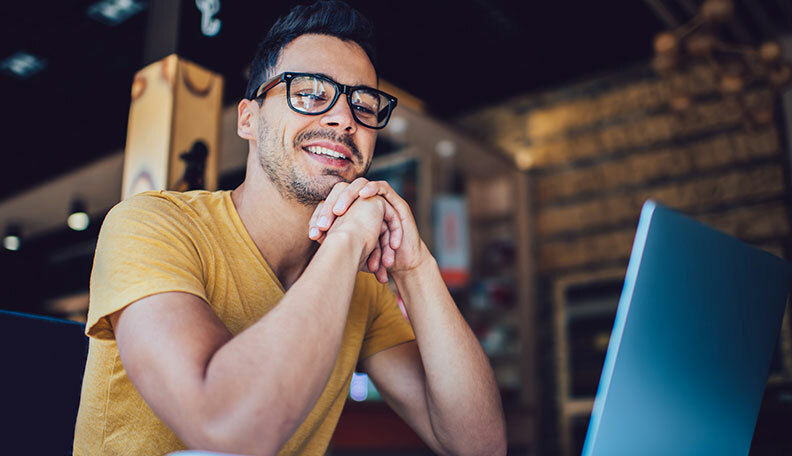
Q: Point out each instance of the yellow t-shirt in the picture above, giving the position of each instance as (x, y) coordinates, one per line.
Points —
(196, 243)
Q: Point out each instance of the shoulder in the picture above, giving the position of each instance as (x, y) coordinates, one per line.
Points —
(166, 206)
(159, 216)
(168, 201)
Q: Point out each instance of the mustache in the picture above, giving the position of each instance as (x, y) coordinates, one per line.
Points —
(346, 140)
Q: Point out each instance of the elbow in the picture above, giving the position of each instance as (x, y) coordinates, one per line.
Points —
(488, 447)
(234, 433)
(490, 443)
(499, 447)
(498, 443)
(491, 447)
(221, 437)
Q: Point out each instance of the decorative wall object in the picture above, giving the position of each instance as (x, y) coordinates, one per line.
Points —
(173, 131)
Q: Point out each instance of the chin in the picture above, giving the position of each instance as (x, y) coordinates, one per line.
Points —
(314, 190)
(332, 178)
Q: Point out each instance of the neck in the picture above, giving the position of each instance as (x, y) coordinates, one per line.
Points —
(278, 226)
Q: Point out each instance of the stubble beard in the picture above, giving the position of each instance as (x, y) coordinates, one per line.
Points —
(287, 178)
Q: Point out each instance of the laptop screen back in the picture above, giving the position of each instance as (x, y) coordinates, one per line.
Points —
(691, 345)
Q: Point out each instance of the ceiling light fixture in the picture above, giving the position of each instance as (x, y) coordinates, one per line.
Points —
(22, 65)
(114, 12)
(78, 219)
(445, 148)
(736, 66)
(397, 125)
(12, 240)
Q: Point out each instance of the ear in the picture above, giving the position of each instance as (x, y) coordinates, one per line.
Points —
(245, 127)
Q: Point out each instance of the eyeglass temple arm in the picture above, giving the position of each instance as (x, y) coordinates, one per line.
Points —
(270, 84)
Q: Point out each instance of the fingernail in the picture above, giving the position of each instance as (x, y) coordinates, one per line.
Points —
(323, 222)
(339, 206)
(313, 233)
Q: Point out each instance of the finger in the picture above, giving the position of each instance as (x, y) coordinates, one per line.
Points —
(373, 261)
(384, 189)
(394, 222)
(388, 255)
(382, 275)
(325, 217)
(370, 189)
(348, 196)
(401, 208)
(313, 231)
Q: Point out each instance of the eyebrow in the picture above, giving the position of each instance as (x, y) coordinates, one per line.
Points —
(350, 85)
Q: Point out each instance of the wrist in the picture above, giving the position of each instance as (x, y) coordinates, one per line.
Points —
(347, 241)
(425, 265)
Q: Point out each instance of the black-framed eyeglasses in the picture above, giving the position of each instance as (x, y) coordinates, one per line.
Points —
(314, 94)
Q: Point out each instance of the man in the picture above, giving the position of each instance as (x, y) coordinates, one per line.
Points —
(218, 323)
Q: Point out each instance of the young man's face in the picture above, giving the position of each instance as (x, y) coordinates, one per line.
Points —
(290, 144)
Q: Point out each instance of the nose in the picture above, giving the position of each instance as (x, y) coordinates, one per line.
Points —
(340, 116)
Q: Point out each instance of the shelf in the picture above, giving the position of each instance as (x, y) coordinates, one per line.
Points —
(491, 219)
(578, 407)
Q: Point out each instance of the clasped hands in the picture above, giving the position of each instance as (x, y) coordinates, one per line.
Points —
(373, 210)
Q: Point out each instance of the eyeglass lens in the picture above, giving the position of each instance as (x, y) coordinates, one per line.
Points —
(310, 94)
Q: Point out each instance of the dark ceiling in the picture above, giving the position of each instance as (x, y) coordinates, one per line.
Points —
(455, 55)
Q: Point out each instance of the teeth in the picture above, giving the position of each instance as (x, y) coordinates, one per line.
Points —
(324, 151)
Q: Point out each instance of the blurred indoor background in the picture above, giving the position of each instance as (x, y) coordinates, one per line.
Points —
(527, 137)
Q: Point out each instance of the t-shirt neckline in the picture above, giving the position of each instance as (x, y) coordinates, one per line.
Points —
(247, 238)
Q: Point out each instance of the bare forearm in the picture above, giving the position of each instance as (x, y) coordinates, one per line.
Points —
(263, 382)
(462, 397)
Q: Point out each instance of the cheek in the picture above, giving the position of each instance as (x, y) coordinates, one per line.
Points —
(284, 124)
(367, 143)
(287, 134)
(295, 125)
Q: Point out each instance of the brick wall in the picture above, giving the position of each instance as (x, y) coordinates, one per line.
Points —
(598, 150)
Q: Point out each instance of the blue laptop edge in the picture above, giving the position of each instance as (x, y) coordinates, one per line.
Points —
(649, 211)
(621, 318)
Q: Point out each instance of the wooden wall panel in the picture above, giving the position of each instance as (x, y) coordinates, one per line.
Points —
(598, 151)
(616, 101)
(753, 223)
(638, 131)
(735, 148)
(731, 187)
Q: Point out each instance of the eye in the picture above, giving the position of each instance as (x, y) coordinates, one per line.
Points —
(364, 109)
(312, 96)
(365, 102)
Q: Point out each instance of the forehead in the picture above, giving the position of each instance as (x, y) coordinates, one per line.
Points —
(344, 61)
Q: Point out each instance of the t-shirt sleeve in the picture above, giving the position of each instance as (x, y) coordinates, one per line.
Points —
(388, 326)
(146, 246)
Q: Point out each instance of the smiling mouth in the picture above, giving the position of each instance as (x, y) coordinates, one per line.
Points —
(325, 152)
